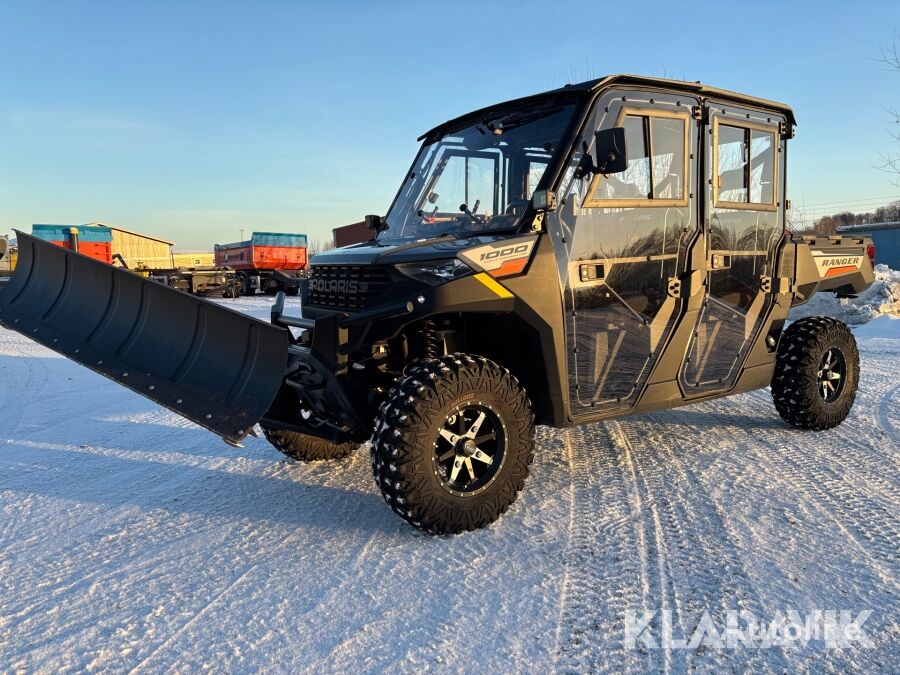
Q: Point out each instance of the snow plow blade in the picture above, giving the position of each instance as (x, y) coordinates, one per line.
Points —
(214, 366)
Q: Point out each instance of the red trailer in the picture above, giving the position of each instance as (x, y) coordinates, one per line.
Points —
(268, 261)
(90, 240)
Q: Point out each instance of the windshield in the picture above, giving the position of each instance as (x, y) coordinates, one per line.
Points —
(479, 178)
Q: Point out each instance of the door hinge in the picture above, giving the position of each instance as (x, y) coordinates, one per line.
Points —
(776, 286)
(673, 288)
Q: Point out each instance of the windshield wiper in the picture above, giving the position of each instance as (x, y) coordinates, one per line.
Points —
(516, 119)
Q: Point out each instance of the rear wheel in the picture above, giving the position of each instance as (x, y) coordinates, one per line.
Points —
(232, 290)
(453, 443)
(305, 448)
(816, 373)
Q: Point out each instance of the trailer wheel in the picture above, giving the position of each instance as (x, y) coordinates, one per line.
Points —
(453, 443)
(816, 373)
(306, 448)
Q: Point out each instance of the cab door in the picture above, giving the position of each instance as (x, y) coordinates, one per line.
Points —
(625, 236)
(744, 151)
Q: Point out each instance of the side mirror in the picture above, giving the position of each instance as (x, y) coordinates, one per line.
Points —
(375, 223)
(543, 200)
(612, 156)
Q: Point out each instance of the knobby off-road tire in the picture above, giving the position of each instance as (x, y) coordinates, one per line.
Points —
(444, 486)
(816, 373)
(307, 448)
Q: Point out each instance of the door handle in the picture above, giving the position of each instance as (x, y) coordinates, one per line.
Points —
(591, 272)
(720, 261)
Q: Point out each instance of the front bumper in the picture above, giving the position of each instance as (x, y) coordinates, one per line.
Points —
(331, 397)
(317, 379)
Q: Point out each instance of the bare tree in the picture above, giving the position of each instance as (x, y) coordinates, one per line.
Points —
(317, 245)
(890, 58)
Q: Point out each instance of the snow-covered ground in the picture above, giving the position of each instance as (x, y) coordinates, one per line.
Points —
(133, 540)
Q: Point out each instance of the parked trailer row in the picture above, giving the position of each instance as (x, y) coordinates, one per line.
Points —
(126, 250)
(267, 262)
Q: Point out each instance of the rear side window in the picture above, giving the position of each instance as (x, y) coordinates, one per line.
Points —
(745, 166)
(657, 171)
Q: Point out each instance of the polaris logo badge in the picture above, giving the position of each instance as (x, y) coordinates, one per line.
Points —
(340, 286)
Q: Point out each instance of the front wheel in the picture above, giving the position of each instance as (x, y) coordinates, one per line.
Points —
(453, 443)
(816, 373)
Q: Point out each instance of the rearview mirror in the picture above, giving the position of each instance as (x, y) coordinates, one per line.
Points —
(611, 154)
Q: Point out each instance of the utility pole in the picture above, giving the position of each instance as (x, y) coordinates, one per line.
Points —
(241, 230)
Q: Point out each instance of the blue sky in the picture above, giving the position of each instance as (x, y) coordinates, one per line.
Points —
(192, 120)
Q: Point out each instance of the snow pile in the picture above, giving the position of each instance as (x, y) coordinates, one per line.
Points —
(882, 297)
(885, 327)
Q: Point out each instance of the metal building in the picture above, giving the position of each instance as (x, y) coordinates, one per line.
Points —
(193, 259)
(885, 236)
(140, 251)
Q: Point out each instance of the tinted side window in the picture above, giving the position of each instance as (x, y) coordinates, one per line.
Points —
(656, 143)
(535, 173)
(762, 167)
(745, 166)
(668, 142)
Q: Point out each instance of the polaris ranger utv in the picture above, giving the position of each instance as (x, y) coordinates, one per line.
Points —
(598, 250)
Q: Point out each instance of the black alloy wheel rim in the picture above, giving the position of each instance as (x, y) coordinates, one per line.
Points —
(470, 448)
(831, 375)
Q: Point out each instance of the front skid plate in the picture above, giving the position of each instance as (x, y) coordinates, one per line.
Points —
(214, 366)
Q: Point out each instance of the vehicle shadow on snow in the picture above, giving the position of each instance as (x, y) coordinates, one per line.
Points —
(79, 475)
(693, 418)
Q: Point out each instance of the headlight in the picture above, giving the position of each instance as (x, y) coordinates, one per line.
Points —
(435, 272)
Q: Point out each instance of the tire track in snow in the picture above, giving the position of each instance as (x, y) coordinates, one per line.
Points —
(702, 565)
(467, 583)
(27, 387)
(565, 589)
(604, 576)
(870, 479)
(196, 617)
(310, 602)
(866, 506)
(665, 591)
(872, 529)
(886, 405)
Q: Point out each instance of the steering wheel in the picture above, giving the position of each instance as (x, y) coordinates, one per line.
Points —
(516, 207)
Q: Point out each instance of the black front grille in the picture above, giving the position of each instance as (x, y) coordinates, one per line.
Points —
(346, 286)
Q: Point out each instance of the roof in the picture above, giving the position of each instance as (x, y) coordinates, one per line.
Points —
(594, 86)
(131, 232)
(869, 227)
